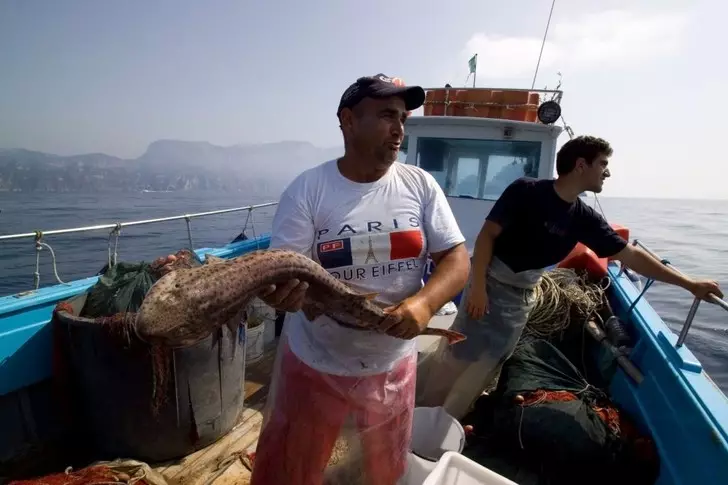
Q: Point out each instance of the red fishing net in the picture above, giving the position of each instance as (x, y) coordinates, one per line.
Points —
(617, 421)
(93, 475)
(101, 473)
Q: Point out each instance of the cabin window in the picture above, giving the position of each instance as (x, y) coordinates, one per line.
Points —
(479, 169)
(402, 157)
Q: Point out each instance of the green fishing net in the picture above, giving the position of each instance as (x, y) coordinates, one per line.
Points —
(545, 424)
(120, 290)
(122, 287)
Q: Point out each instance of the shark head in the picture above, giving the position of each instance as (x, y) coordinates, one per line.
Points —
(187, 304)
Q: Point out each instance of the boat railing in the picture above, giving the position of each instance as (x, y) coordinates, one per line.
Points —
(696, 302)
(118, 226)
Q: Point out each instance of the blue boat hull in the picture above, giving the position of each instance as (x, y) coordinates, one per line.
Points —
(676, 403)
(31, 427)
(684, 411)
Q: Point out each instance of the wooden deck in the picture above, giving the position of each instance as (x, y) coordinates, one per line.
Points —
(220, 463)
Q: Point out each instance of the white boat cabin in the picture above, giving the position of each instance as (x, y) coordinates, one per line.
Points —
(475, 158)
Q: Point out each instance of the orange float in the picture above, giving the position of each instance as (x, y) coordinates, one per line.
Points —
(516, 105)
(583, 258)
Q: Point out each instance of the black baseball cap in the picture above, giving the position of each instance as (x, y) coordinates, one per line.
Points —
(381, 86)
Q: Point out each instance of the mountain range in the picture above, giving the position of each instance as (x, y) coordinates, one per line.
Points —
(167, 165)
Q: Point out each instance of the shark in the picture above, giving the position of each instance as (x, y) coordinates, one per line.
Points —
(187, 304)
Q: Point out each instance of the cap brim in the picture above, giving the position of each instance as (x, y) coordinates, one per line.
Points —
(414, 96)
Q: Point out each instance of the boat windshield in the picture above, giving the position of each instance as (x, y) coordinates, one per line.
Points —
(479, 169)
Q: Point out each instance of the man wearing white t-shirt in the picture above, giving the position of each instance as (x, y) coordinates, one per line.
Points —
(371, 222)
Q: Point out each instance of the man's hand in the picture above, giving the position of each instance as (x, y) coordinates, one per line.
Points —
(286, 298)
(477, 302)
(164, 264)
(701, 289)
(642, 262)
(408, 319)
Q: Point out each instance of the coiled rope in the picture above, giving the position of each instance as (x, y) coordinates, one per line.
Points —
(561, 294)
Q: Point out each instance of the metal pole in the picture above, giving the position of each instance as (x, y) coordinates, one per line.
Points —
(688, 322)
(136, 223)
(710, 297)
(543, 43)
(475, 72)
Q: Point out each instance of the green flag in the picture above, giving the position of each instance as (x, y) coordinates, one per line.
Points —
(472, 63)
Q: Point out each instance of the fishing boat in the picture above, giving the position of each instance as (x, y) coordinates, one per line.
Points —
(474, 141)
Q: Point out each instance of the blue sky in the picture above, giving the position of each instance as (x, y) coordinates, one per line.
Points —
(99, 76)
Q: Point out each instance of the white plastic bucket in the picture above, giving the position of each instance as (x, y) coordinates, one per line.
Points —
(456, 469)
(259, 313)
(434, 432)
(254, 343)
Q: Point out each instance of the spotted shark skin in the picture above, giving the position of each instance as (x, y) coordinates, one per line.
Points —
(187, 304)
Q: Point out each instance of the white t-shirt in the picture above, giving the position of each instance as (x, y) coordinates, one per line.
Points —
(375, 237)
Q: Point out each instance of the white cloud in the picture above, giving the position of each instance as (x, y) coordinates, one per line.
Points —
(610, 39)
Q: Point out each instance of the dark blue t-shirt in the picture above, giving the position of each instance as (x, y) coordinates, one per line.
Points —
(540, 228)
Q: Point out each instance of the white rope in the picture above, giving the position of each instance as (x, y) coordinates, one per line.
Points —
(561, 291)
(249, 218)
(252, 226)
(36, 275)
(39, 245)
(115, 232)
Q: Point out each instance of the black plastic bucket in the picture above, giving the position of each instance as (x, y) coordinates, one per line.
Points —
(114, 377)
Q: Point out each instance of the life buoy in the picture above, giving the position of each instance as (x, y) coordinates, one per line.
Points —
(583, 258)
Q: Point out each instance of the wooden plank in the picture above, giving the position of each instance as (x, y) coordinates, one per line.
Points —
(220, 462)
(235, 474)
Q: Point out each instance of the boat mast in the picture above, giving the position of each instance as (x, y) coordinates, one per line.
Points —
(538, 63)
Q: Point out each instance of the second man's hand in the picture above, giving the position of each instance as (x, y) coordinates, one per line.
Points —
(287, 298)
(408, 319)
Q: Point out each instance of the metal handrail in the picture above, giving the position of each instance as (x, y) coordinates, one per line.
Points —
(120, 225)
(116, 231)
(711, 298)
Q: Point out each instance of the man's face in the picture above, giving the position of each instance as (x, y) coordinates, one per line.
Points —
(593, 174)
(376, 128)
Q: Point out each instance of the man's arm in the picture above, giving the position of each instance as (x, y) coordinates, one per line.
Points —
(483, 251)
(505, 211)
(293, 230)
(292, 226)
(598, 235)
(448, 279)
(642, 262)
(445, 243)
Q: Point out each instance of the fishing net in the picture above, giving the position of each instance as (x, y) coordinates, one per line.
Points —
(334, 429)
(562, 297)
(119, 472)
(547, 417)
(124, 397)
(112, 303)
(121, 289)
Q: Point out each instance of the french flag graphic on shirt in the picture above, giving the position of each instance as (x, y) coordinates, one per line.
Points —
(370, 248)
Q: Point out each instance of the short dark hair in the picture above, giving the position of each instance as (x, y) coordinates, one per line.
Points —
(586, 147)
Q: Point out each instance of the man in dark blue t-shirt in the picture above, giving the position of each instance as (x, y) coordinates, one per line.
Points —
(533, 225)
